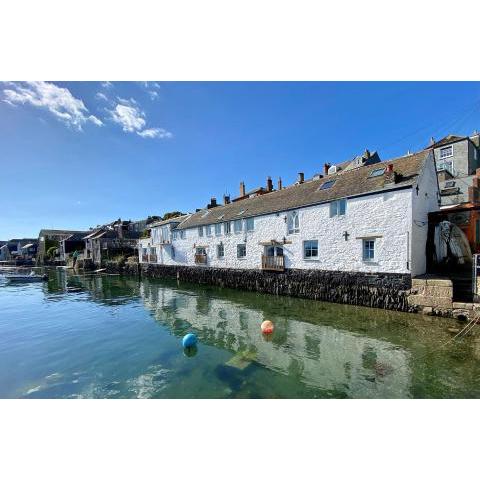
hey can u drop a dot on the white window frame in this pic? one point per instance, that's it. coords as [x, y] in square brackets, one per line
[443, 157]
[293, 222]
[251, 219]
[227, 228]
[208, 230]
[237, 223]
[316, 257]
[364, 258]
[240, 245]
[335, 208]
[200, 231]
[218, 229]
[222, 246]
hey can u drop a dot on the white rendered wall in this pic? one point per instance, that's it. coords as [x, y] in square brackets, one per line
[385, 216]
[426, 201]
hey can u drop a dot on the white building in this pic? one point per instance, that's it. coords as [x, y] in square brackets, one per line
[370, 218]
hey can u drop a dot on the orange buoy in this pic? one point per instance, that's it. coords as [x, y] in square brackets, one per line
[267, 327]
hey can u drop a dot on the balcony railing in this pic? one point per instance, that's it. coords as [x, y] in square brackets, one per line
[200, 259]
[276, 264]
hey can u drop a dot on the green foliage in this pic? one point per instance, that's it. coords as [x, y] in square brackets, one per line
[51, 252]
[174, 214]
[145, 233]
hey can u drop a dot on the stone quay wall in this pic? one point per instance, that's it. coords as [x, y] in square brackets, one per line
[379, 290]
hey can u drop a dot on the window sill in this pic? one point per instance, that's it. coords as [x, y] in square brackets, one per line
[311, 259]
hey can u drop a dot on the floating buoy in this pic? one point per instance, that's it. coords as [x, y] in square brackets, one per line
[267, 327]
[189, 340]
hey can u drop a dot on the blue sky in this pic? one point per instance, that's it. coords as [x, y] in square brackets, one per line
[77, 154]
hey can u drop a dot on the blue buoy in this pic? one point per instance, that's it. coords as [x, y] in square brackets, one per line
[189, 340]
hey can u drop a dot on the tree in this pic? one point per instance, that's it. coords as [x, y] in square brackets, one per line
[169, 215]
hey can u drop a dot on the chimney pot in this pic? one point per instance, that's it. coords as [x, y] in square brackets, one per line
[389, 168]
[280, 183]
[242, 189]
[301, 177]
[432, 140]
[269, 184]
[226, 199]
[326, 166]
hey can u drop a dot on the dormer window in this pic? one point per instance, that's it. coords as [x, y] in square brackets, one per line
[446, 152]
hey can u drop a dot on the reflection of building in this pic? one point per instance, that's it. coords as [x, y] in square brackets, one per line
[319, 355]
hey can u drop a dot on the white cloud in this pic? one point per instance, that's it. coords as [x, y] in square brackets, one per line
[57, 100]
[107, 84]
[130, 117]
[101, 96]
[153, 94]
[155, 133]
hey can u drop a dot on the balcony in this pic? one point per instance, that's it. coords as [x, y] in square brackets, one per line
[200, 259]
[275, 264]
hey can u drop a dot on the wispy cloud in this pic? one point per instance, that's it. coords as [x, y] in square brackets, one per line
[101, 96]
[107, 84]
[57, 100]
[155, 133]
[153, 94]
[131, 118]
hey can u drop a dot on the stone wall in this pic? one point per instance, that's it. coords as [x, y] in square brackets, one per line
[382, 290]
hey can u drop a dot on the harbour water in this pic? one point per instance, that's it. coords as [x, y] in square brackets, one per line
[108, 336]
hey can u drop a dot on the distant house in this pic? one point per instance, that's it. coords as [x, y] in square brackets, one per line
[51, 238]
[457, 159]
[5, 254]
[111, 240]
[70, 244]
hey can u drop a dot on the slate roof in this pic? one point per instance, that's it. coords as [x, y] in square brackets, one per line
[447, 141]
[348, 183]
[159, 223]
[46, 232]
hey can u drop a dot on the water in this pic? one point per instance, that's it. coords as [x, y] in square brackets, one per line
[104, 336]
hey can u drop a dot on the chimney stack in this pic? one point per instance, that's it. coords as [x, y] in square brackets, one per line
[326, 166]
[390, 176]
[242, 189]
[432, 140]
[269, 184]
[301, 177]
[280, 183]
[226, 199]
[213, 203]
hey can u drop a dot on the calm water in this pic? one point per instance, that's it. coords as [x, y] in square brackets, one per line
[106, 336]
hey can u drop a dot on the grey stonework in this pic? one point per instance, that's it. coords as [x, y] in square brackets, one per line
[382, 290]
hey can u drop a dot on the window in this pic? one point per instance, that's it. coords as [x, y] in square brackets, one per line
[249, 225]
[293, 223]
[241, 250]
[218, 229]
[377, 172]
[449, 184]
[201, 251]
[327, 185]
[208, 229]
[174, 235]
[446, 152]
[338, 207]
[310, 249]
[368, 250]
[237, 226]
[200, 231]
[226, 228]
[220, 250]
[477, 231]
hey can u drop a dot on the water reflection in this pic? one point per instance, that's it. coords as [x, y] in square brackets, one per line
[320, 356]
[84, 336]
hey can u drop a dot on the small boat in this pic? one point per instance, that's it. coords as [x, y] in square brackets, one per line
[27, 278]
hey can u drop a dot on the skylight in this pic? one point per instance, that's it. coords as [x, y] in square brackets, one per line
[377, 172]
[241, 212]
[327, 185]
